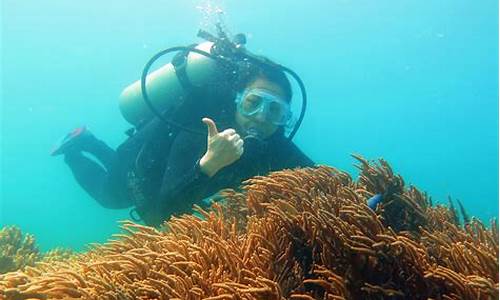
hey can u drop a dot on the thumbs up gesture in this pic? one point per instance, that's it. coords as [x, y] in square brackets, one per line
[223, 148]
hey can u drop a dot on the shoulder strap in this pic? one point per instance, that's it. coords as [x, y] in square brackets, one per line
[179, 62]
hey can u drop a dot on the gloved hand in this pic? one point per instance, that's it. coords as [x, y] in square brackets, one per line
[223, 148]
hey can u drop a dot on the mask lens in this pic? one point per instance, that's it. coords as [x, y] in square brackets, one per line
[277, 111]
[251, 104]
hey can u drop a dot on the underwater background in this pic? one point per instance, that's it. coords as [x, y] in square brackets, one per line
[413, 82]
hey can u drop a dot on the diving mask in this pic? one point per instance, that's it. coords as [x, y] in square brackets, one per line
[262, 103]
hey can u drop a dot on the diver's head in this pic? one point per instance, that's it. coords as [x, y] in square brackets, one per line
[263, 103]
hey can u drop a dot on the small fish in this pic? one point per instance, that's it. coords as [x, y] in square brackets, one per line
[374, 200]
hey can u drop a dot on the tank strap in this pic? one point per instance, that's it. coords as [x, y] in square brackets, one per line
[180, 62]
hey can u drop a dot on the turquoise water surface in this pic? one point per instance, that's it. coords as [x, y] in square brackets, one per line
[414, 82]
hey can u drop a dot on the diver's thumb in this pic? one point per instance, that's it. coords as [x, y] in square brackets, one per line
[211, 127]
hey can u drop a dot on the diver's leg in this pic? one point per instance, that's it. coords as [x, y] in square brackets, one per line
[106, 188]
[81, 139]
[105, 154]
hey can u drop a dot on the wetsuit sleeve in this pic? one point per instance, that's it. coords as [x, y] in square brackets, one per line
[183, 182]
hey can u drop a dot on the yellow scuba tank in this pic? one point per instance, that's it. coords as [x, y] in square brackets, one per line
[165, 88]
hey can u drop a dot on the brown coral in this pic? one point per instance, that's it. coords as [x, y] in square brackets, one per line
[16, 250]
[301, 234]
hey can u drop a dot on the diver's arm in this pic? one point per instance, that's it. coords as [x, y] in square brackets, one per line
[183, 181]
[191, 164]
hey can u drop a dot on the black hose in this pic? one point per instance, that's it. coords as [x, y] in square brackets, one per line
[144, 93]
[249, 57]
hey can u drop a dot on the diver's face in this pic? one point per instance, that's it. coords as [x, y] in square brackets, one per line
[258, 121]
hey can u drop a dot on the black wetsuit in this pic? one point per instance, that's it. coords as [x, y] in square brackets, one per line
[157, 171]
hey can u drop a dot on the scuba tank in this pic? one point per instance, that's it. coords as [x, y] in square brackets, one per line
[166, 88]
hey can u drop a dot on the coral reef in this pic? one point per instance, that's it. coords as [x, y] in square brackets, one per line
[16, 251]
[57, 255]
[295, 234]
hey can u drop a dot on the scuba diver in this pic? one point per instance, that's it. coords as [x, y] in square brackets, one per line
[213, 117]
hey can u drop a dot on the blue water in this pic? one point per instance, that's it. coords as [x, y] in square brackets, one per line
[414, 82]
